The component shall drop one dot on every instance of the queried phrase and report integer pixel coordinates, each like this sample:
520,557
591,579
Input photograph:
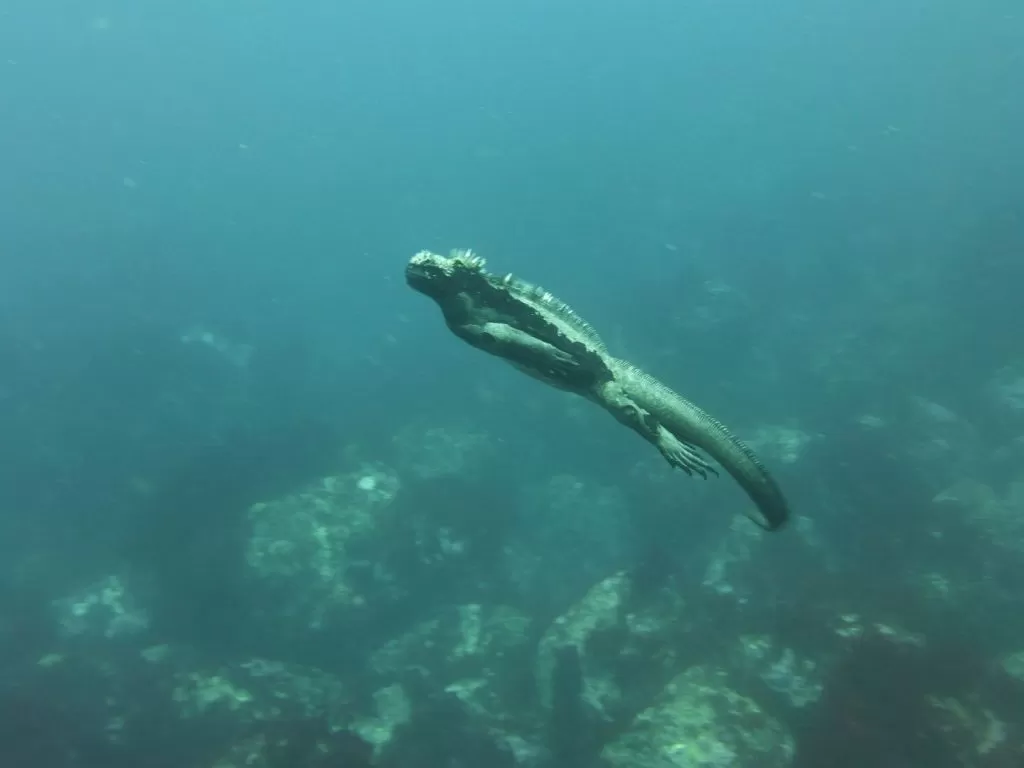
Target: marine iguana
543,337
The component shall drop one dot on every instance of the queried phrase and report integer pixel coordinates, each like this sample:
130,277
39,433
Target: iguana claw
682,455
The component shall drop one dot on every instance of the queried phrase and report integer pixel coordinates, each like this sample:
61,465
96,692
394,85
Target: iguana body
545,338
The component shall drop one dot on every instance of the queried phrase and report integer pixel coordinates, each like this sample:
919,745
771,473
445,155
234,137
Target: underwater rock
235,353
391,710
942,443
255,690
895,699
159,706
471,656
442,733
785,445
306,547
585,522
795,677
1013,665
106,608
699,722
999,517
355,560
1007,389
630,643
432,452
730,568
460,638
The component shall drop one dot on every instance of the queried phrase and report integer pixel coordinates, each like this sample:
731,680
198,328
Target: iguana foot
683,455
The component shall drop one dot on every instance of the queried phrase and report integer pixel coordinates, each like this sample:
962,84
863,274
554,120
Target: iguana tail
692,424
745,468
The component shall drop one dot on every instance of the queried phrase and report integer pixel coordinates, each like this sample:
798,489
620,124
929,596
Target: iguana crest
561,313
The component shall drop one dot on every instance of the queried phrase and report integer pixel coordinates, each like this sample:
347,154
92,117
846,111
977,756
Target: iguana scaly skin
543,337
694,426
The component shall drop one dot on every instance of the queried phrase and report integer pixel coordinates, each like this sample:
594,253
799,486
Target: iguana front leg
518,346
677,453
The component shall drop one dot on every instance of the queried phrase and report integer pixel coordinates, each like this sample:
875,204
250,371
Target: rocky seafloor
396,614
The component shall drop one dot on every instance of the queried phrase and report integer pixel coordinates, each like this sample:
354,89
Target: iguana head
441,276
459,281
